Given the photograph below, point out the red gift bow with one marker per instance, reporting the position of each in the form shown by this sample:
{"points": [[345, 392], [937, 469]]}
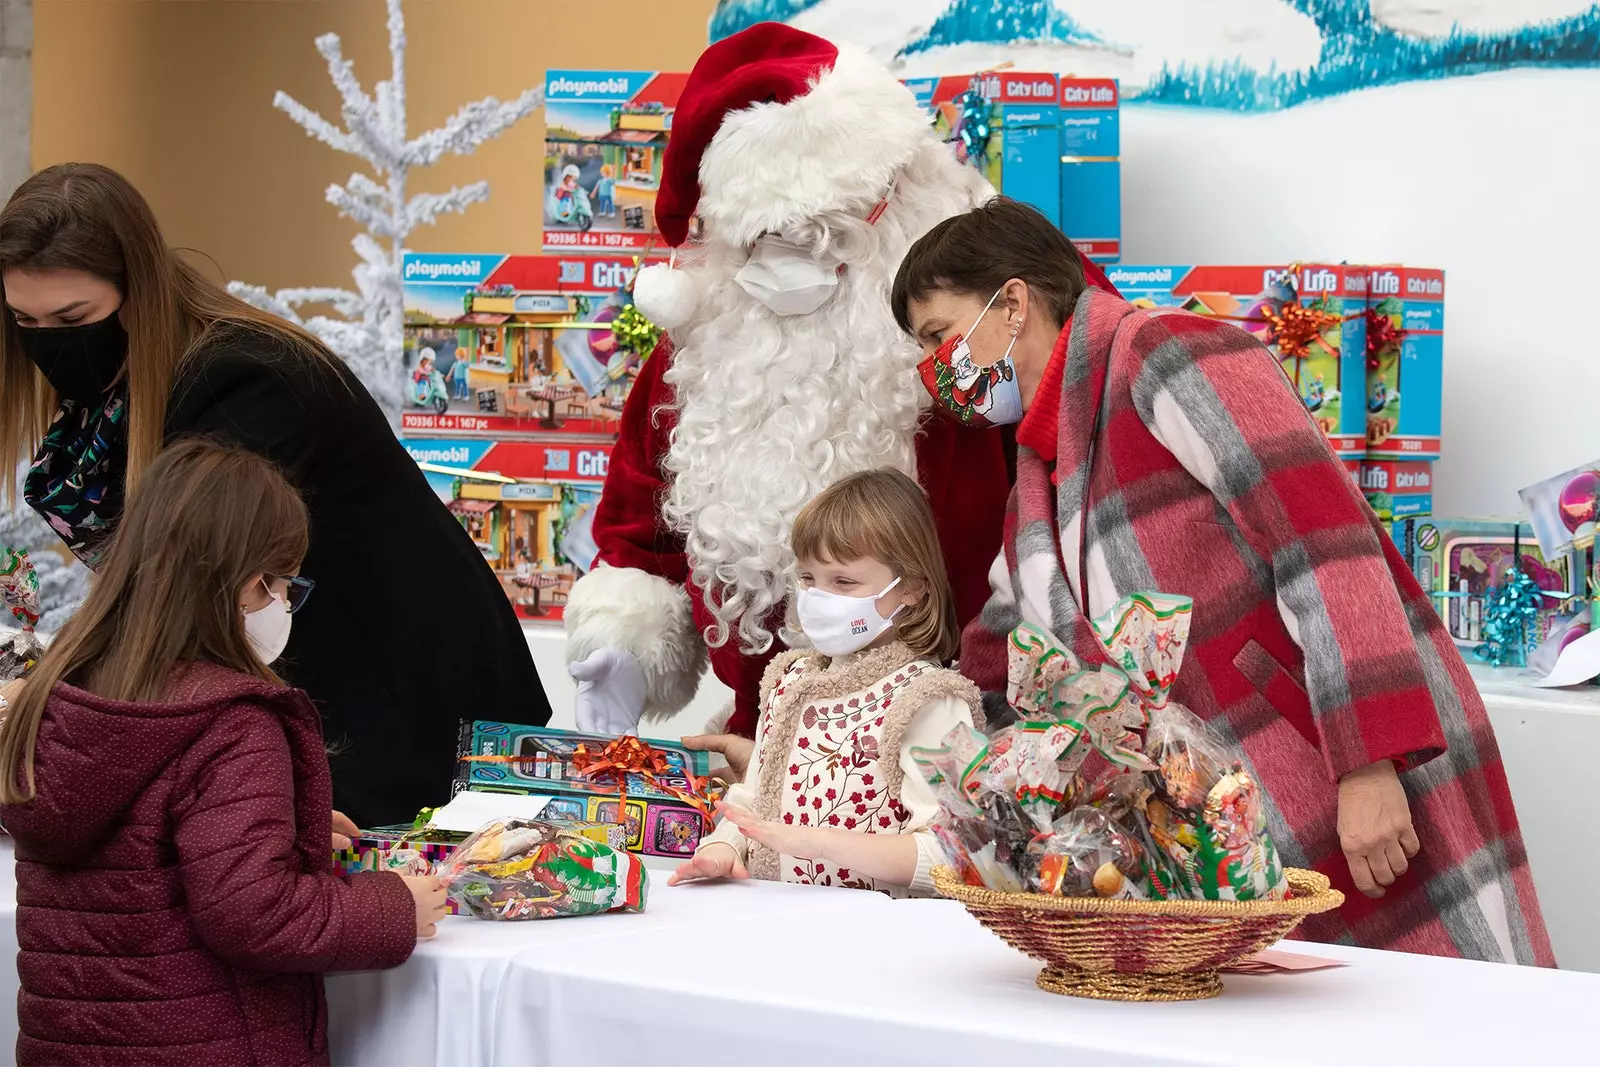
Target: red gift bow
{"points": [[620, 757]]}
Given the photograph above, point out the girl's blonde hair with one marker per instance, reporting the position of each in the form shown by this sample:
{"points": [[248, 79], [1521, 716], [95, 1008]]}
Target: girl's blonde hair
{"points": [[205, 520], [884, 514], [82, 216]]}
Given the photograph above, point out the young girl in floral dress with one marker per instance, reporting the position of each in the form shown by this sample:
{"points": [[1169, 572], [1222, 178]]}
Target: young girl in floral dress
{"points": [[832, 796]]}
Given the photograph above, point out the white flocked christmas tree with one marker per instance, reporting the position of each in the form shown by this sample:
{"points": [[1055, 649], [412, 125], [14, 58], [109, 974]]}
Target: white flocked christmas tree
{"points": [[369, 336]]}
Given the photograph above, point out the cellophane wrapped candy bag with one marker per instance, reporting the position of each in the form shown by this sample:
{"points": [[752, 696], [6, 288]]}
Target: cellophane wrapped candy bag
{"points": [[1104, 787], [524, 869]]}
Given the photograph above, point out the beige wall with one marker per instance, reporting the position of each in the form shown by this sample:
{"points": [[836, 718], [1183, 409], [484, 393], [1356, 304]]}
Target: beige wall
{"points": [[177, 94]]}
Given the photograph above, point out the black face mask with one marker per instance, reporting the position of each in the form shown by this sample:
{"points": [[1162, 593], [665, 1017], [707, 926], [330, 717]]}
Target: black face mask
{"points": [[81, 362]]}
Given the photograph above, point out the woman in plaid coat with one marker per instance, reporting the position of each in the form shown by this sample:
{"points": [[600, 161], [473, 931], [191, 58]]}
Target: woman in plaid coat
{"points": [[1202, 474]]}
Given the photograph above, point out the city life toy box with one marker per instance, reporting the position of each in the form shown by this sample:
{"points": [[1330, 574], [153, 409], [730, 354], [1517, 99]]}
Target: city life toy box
{"points": [[605, 132], [1050, 142], [1398, 489], [528, 506], [1405, 381], [1458, 561], [1091, 166], [1007, 124], [501, 346], [1329, 374], [657, 822]]}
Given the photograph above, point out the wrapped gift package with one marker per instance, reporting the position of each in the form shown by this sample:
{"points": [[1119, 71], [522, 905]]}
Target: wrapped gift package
{"points": [[535, 761]]}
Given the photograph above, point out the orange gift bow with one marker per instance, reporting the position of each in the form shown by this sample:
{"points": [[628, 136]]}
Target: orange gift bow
{"points": [[619, 758]]}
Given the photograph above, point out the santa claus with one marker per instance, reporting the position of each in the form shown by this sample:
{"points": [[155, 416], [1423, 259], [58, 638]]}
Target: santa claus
{"points": [[811, 170]]}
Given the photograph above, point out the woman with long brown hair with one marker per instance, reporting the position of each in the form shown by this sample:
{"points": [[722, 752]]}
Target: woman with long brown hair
{"points": [[111, 345], [169, 797]]}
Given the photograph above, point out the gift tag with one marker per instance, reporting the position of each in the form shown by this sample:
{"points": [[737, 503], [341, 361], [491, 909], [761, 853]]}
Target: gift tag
{"points": [[1271, 961]]}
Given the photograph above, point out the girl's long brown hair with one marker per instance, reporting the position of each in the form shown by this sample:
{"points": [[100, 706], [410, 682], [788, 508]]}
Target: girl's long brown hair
{"points": [[205, 520], [82, 216]]}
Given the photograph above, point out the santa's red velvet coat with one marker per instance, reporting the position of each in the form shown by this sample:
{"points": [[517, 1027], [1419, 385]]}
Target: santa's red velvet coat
{"points": [[966, 472]]}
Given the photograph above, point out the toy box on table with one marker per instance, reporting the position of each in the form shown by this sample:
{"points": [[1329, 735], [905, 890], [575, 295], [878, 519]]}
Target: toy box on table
{"points": [[605, 133], [1459, 561], [1326, 363], [1405, 377], [658, 821]]}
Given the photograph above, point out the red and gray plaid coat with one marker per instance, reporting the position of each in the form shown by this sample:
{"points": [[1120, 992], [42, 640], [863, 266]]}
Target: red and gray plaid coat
{"points": [[1313, 648]]}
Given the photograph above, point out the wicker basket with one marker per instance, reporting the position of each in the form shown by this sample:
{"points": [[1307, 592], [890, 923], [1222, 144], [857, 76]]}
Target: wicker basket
{"points": [[1135, 949]]}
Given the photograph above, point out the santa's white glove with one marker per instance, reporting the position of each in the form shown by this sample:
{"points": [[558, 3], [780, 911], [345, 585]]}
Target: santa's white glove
{"points": [[611, 691]]}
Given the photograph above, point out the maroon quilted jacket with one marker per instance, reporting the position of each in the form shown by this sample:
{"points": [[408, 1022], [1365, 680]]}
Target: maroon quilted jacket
{"points": [[175, 897]]}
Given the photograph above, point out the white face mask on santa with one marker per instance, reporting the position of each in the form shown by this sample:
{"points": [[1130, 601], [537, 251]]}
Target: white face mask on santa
{"points": [[786, 277]]}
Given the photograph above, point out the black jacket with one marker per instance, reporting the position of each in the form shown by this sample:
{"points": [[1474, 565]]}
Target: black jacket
{"points": [[408, 630]]}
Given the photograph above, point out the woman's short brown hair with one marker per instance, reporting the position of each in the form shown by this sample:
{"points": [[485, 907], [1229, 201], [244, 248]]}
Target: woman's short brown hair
{"points": [[885, 515], [980, 251]]}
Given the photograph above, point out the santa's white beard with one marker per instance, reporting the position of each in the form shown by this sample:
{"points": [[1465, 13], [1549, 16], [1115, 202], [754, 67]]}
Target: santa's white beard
{"points": [[773, 409]]}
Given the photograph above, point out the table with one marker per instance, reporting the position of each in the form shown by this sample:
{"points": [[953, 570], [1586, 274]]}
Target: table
{"points": [[926, 985], [931, 986], [550, 394], [1550, 740]]}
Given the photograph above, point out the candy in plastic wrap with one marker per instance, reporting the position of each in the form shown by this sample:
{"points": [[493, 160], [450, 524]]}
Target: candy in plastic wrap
{"points": [[1188, 759], [978, 854], [521, 869], [1086, 854], [1238, 860]]}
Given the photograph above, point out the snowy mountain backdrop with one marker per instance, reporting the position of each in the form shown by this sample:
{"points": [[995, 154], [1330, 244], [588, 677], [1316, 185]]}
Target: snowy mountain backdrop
{"points": [[1242, 55]]}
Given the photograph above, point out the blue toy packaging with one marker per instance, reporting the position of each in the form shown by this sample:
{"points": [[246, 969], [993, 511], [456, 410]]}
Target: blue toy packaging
{"points": [[1458, 562], [1328, 372], [605, 133], [1405, 378], [1091, 166], [658, 822], [1008, 125]]}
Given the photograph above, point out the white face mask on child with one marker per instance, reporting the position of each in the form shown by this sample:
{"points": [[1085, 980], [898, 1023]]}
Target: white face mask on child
{"points": [[267, 629], [839, 625]]}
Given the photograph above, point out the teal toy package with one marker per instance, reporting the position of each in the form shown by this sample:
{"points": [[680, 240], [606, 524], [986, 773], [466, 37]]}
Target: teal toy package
{"points": [[1405, 374]]}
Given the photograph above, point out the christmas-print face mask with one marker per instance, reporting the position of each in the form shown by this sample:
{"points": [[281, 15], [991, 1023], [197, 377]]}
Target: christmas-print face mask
{"points": [[970, 394]]}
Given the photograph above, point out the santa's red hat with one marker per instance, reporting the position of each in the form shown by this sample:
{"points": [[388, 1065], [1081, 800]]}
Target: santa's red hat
{"points": [[776, 126]]}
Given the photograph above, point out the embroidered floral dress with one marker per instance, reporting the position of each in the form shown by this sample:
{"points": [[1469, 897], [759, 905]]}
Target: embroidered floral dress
{"points": [[833, 750]]}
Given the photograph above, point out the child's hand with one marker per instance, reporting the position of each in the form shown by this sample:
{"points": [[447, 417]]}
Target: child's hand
{"points": [[801, 842], [344, 831], [428, 894], [716, 860]]}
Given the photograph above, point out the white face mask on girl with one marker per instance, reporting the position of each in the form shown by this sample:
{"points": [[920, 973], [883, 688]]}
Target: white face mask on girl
{"points": [[839, 625], [267, 629]]}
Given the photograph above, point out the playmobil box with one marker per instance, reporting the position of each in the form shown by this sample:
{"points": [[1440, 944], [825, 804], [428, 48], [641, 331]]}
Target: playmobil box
{"points": [[508, 346], [1405, 379], [1458, 562], [605, 133], [1091, 166], [1328, 371], [657, 820], [1398, 489], [527, 504], [1005, 123]]}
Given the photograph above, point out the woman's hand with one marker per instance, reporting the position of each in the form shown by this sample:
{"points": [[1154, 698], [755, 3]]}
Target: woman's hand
{"points": [[344, 831], [428, 894], [1375, 827], [716, 860], [733, 748]]}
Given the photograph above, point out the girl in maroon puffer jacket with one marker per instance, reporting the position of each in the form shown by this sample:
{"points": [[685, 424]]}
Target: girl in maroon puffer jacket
{"points": [[170, 798]]}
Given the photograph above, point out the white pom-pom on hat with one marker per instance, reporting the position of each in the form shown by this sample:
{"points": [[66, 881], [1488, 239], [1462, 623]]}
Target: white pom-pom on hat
{"points": [[667, 296]]}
